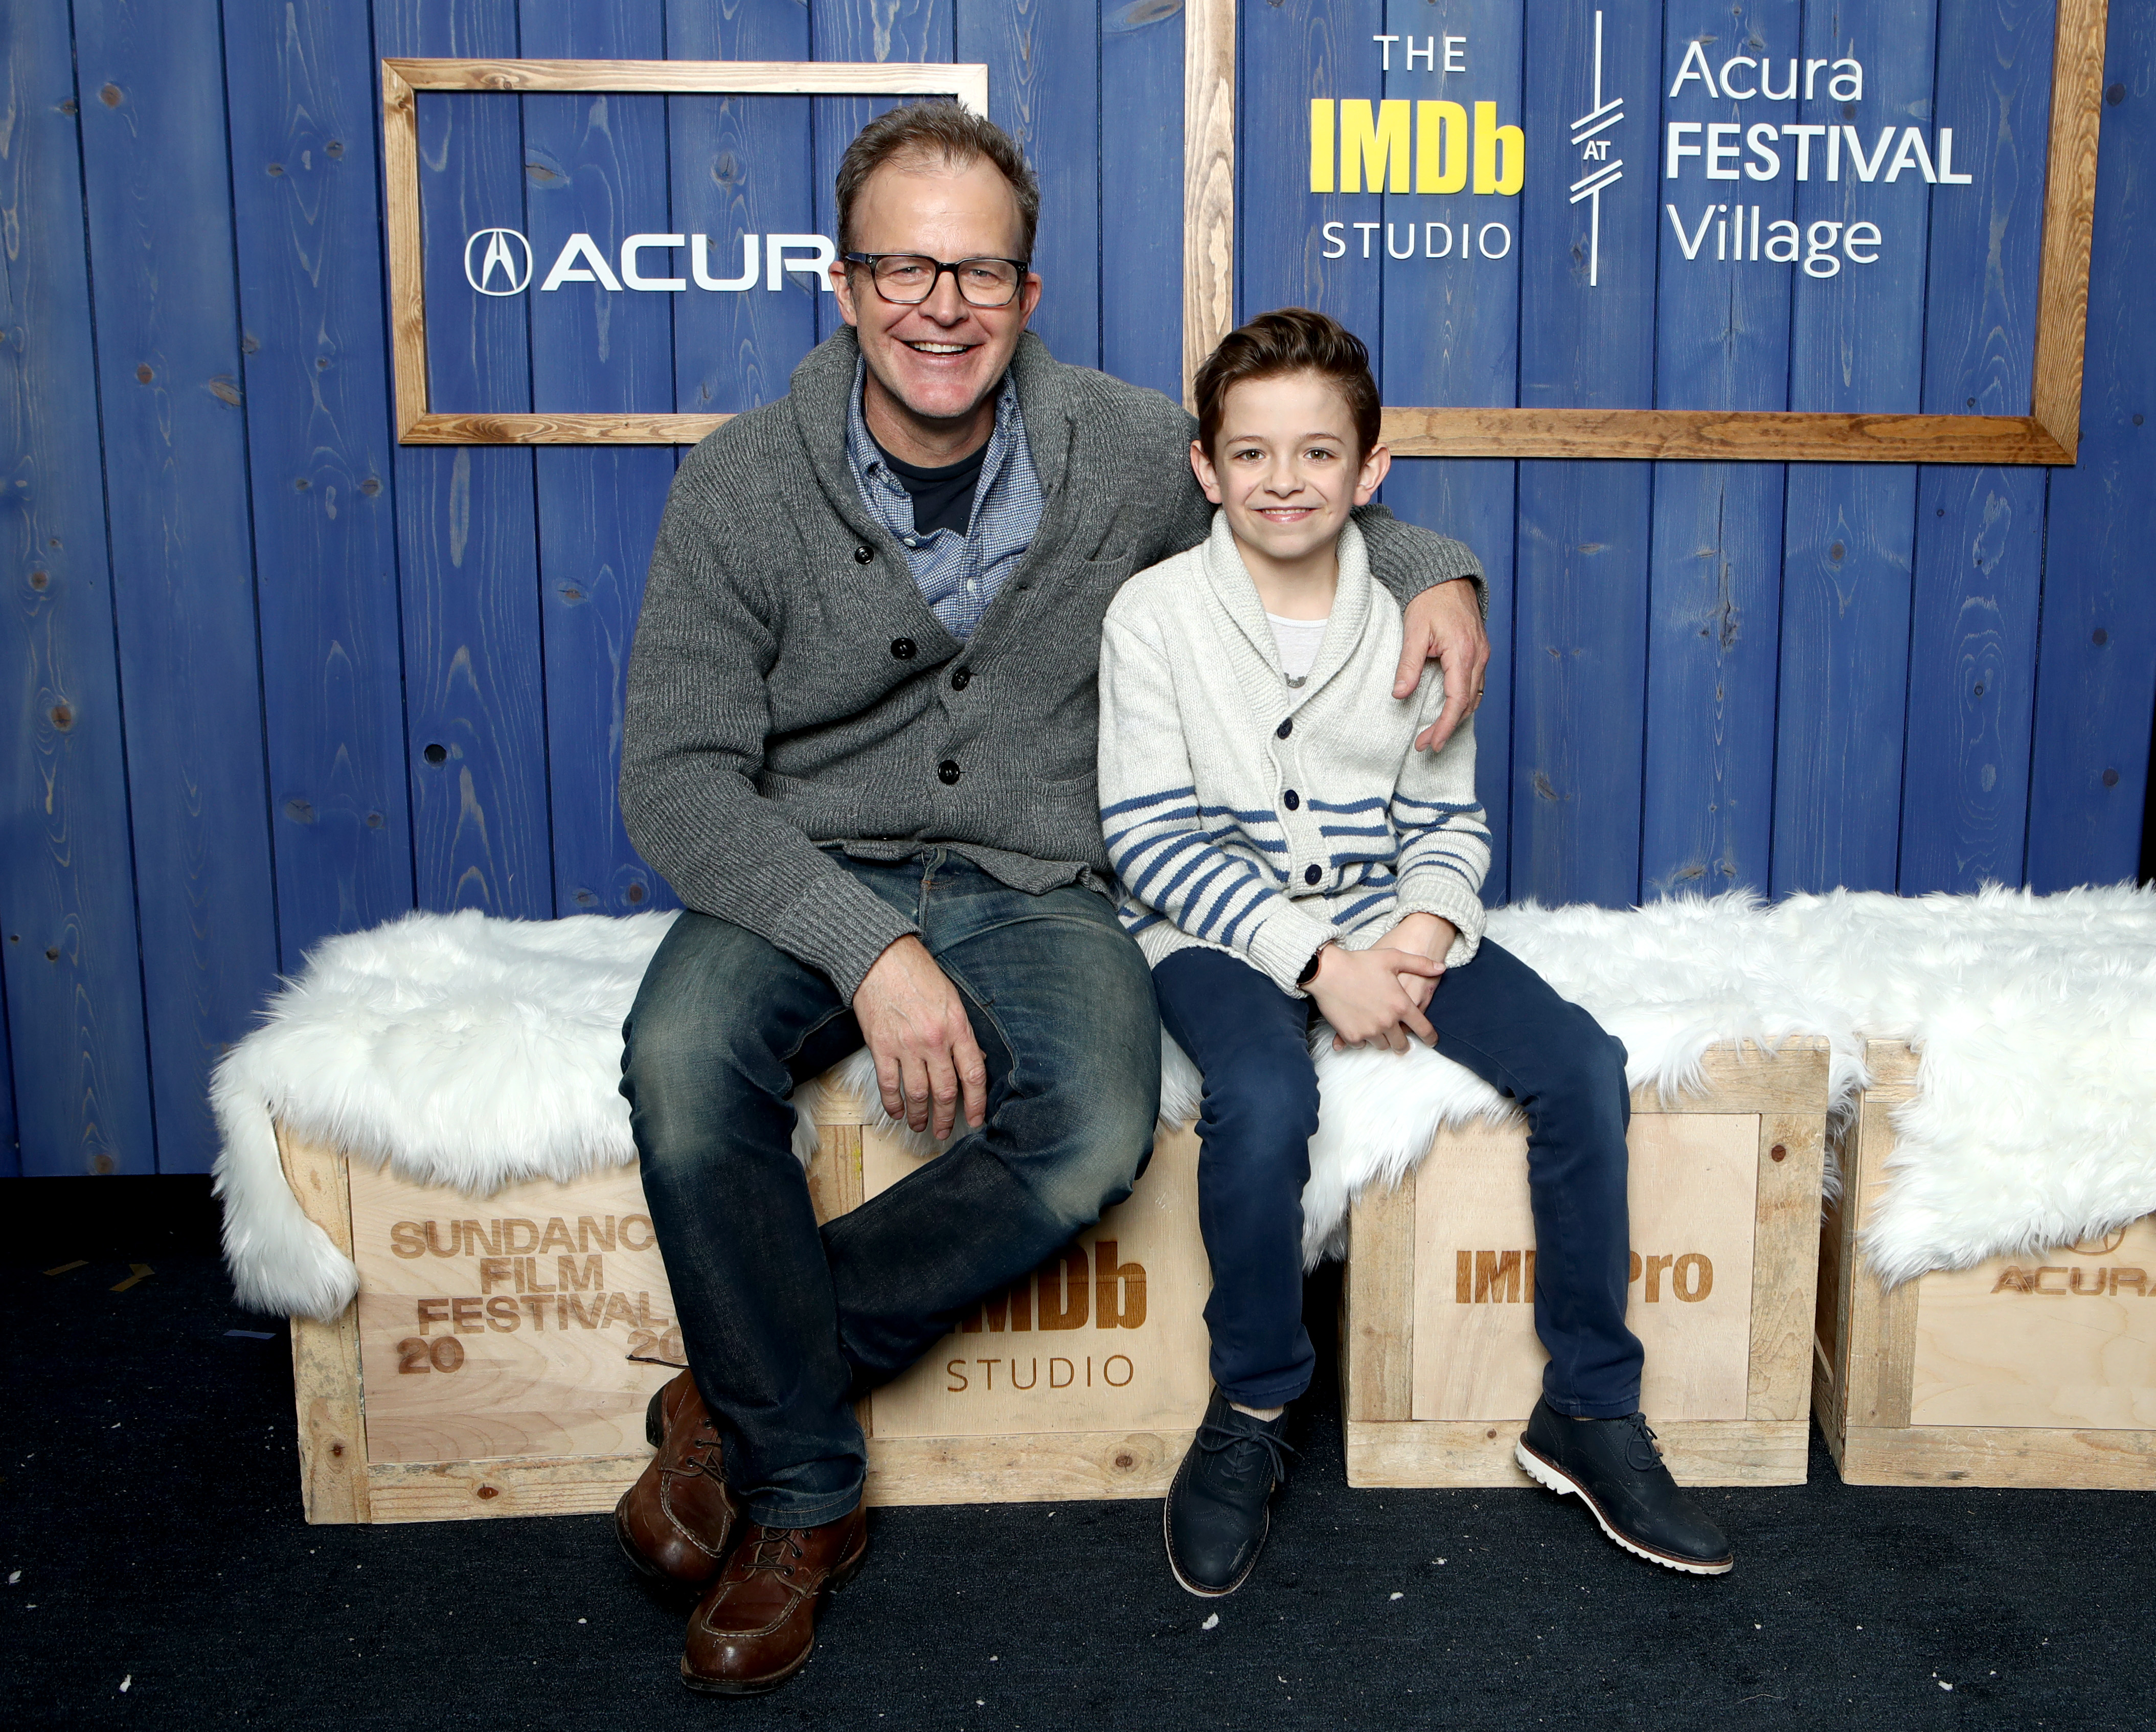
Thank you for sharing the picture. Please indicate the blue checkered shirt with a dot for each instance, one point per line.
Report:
(958, 575)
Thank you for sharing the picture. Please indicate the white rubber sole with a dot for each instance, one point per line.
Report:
(1190, 1586)
(1543, 1473)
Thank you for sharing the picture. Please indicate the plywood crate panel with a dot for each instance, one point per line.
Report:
(2036, 1368)
(1085, 1379)
(1442, 1364)
(502, 1352)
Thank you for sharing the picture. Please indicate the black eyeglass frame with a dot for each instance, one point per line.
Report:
(1023, 266)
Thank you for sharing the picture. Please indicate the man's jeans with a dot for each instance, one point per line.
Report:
(785, 1325)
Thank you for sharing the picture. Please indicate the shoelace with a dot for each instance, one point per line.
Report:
(1277, 1449)
(705, 1455)
(1642, 1449)
(765, 1550)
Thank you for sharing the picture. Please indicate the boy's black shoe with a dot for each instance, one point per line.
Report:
(1616, 1468)
(1214, 1519)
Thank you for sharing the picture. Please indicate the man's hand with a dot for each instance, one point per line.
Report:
(917, 1030)
(1426, 935)
(1360, 992)
(1444, 621)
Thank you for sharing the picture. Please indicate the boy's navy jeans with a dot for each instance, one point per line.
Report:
(786, 1324)
(1501, 1021)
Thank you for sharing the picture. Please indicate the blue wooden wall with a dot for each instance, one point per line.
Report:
(274, 676)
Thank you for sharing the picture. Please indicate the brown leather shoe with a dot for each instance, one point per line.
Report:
(756, 1625)
(675, 1521)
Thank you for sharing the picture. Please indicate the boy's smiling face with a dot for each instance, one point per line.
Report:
(1286, 470)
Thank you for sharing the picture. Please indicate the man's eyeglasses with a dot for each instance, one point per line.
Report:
(908, 279)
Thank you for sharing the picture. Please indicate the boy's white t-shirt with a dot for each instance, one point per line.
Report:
(1299, 640)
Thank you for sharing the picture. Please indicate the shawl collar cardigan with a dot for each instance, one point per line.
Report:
(1248, 815)
(790, 692)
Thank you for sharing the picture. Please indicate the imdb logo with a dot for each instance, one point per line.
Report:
(1508, 1277)
(1063, 1290)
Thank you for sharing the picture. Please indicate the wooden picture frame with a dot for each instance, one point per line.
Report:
(401, 81)
(2050, 434)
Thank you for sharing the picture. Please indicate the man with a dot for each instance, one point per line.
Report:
(860, 744)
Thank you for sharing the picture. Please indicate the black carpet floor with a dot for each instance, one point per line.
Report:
(158, 1574)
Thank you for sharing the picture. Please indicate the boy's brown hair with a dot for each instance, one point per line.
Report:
(1292, 339)
(936, 131)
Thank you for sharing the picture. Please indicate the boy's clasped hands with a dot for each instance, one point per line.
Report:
(1376, 997)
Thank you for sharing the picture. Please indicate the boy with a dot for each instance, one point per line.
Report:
(1281, 844)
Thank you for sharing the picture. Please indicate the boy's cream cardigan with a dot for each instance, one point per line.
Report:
(1246, 815)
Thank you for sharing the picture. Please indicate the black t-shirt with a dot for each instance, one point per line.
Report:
(943, 498)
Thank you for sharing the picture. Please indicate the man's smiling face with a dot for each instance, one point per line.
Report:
(931, 367)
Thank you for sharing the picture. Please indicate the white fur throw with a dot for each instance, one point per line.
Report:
(478, 1052)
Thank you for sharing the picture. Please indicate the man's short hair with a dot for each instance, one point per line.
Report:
(938, 132)
(1292, 339)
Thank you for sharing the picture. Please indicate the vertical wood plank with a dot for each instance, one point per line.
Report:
(1211, 160)
(1847, 560)
(404, 244)
(1140, 193)
(737, 166)
(2077, 60)
(834, 1175)
(1849, 528)
(66, 884)
(326, 1387)
(1044, 61)
(836, 1184)
(1830, 1316)
(2096, 680)
(1979, 532)
(740, 165)
(1785, 1259)
(1450, 336)
(1580, 702)
(10, 1141)
(466, 536)
(304, 143)
(1473, 500)
(1379, 1294)
(596, 165)
(1288, 54)
(1721, 342)
(899, 30)
(160, 243)
(1714, 647)
(1883, 1322)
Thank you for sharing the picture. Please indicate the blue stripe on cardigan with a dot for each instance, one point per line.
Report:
(1138, 800)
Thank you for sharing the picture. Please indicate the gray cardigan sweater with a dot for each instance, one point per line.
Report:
(790, 689)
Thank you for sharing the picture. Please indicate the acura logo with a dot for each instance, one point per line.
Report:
(507, 252)
(498, 261)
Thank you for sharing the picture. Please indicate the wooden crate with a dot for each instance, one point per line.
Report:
(1973, 1376)
(1441, 1363)
(501, 1351)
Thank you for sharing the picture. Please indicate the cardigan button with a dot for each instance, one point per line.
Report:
(1291, 800)
(902, 648)
(1284, 729)
(961, 678)
(863, 554)
(948, 770)
(1311, 875)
